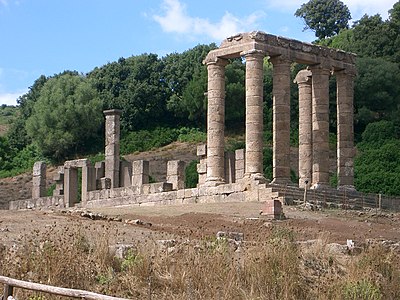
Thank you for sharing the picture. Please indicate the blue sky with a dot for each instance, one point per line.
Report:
(49, 36)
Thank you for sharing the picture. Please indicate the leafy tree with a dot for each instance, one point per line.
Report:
(135, 86)
(325, 17)
(377, 92)
(65, 117)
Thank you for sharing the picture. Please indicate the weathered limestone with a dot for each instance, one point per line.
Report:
(112, 145)
(281, 120)
(125, 176)
(239, 163)
(140, 173)
(70, 186)
(320, 133)
(59, 179)
(303, 79)
(39, 180)
(345, 130)
(88, 181)
(230, 172)
(254, 114)
(176, 174)
(202, 165)
(215, 122)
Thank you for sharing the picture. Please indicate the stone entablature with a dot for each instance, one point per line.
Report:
(293, 50)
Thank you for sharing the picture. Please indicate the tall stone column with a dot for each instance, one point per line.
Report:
(112, 146)
(320, 133)
(345, 129)
(254, 114)
(303, 80)
(215, 122)
(281, 120)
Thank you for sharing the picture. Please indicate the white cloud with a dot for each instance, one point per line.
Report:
(357, 7)
(176, 20)
(10, 98)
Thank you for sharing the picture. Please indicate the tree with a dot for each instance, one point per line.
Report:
(65, 117)
(135, 86)
(325, 17)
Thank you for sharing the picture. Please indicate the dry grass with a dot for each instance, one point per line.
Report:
(276, 268)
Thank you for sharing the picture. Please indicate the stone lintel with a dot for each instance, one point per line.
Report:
(112, 112)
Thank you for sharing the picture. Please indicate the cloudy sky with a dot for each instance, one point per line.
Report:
(49, 36)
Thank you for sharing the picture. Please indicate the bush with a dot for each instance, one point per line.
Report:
(191, 175)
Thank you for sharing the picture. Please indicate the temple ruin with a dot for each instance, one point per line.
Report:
(234, 176)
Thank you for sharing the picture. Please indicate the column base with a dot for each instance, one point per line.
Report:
(256, 177)
(281, 181)
(320, 186)
(214, 181)
(347, 188)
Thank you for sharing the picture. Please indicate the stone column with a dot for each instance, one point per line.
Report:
(88, 182)
(215, 122)
(320, 119)
(176, 174)
(239, 164)
(254, 114)
(70, 186)
(140, 172)
(112, 146)
(281, 121)
(345, 130)
(202, 165)
(39, 180)
(303, 79)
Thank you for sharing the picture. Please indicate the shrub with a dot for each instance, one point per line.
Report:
(191, 175)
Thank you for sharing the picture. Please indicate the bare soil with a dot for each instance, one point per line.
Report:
(195, 221)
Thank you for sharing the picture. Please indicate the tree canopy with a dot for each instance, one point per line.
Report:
(325, 17)
(67, 114)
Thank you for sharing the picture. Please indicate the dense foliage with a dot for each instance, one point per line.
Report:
(325, 17)
(162, 100)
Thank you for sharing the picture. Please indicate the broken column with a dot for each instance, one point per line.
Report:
(281, 120)
(202, 165)
(59, 179)
(254, 114)
(88, 181)
(239, 163)
(320, 132)
(303, 80)
(345, 130)
(215, 121)
(39, 180)
(70, 186)
(112, 146)
(230, 171)
(176, 174)
(125, 178)
(140, 172)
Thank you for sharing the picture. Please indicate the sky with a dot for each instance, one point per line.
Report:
(46, 37)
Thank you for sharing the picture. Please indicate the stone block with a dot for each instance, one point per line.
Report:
(159, 187)
(39, 169)
(105, 183)
(272, 209)
(77, 163)
(202, 168)
(202, 150)
(140, 167)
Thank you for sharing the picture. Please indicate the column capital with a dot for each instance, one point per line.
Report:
(112, 112)
(280, 60)
(253, 53)
(216, 61)
(349, 72)
(303, 77)
(320, 68)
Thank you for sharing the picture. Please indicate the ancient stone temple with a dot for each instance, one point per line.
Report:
(313, 108)
(236, 176)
